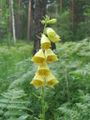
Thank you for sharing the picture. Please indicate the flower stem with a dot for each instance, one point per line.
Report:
(43, 103)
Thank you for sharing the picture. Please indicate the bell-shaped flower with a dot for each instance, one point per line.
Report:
(37, 81)
(39, 57)
(52, 35)
(45, 42)
(50, 56)
(51, 80)
(56, 38)
(43, 70)
(50, 32)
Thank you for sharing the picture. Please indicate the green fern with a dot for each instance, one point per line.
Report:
(14, 104)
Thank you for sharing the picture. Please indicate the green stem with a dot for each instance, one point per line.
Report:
(44, 27)
(67, 84)
(43, 103)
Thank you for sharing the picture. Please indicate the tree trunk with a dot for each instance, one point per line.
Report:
(73, 13)
(29, 25)
(74, 23)
(18, 20)
(76, 11)
(12, 20)
(39, 12)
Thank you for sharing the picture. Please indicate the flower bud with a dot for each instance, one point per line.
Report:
(43, 21)
(52, 21)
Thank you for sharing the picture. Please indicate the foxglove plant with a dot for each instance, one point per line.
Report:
(43, 77)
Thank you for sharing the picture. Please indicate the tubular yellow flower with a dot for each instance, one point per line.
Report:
(37, 81)
(39, 57)
(45, 42)
(51, 80)
(50, 56)
(52, 35)
(50, 32)
(56, 38)
(43, 70)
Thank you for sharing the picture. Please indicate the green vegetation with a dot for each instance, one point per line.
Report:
(19, 100)
(20, 33)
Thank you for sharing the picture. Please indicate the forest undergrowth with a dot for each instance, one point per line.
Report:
(69, 100)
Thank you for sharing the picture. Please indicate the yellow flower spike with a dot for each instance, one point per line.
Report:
(37, 81)
(50, 56)
(51, 80)
(39, 57)
(43, 70)
(52, 35)
(45, 42)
